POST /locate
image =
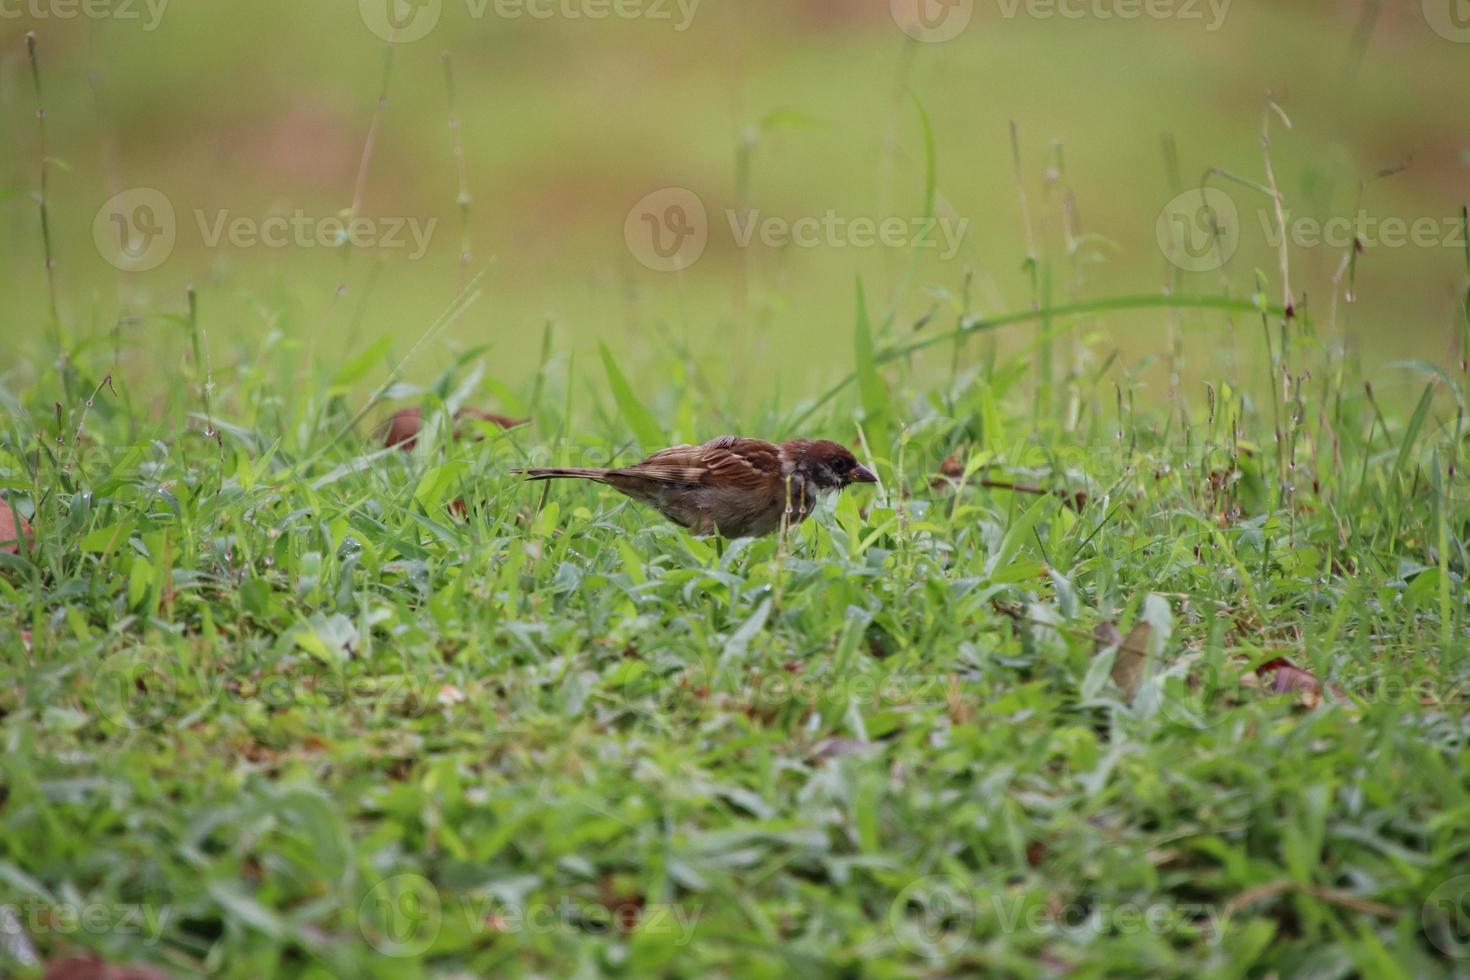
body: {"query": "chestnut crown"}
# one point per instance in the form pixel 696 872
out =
pixel 828 465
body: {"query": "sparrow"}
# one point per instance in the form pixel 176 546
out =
pixel 734 487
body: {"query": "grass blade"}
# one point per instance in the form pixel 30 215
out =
pixel 645 428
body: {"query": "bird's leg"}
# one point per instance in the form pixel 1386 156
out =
pixel 786 510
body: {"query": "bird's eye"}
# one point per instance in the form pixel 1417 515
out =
pixel 841 465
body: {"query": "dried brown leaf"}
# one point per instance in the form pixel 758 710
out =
pixel 10 520
pixel 93 968
pixel 402 428
pixel 1280 676
pixel 1132 656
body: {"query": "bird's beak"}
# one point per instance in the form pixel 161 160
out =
pixel 863 475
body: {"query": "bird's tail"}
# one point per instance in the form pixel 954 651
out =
pixel 561 473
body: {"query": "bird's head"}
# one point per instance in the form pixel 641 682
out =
pixel 826 465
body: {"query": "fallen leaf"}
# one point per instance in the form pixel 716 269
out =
pixel 1274 889
pixel 836 748
pixel 9 520
pixel 1132 656
pixel 1286 677
pixel 402 428
pixel 93 968
pixel 1105 635
pixel 626 906
pixel 474 414
pixel 1281 676
pixel 952 470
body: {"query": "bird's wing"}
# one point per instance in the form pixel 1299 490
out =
pixel 729 462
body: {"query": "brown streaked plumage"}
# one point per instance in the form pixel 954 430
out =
pixel 730 486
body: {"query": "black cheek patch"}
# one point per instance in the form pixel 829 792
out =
pixel 826 478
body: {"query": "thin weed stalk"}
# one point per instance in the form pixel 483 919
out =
pixel 462 200
pixel 358 191
pixel 43 200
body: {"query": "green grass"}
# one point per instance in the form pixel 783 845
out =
pixel 278 702
pixel 271 708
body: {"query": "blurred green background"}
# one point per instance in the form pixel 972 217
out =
pixel 798 108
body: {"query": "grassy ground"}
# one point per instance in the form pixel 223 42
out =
pixel 1149 655
pixel 274 704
